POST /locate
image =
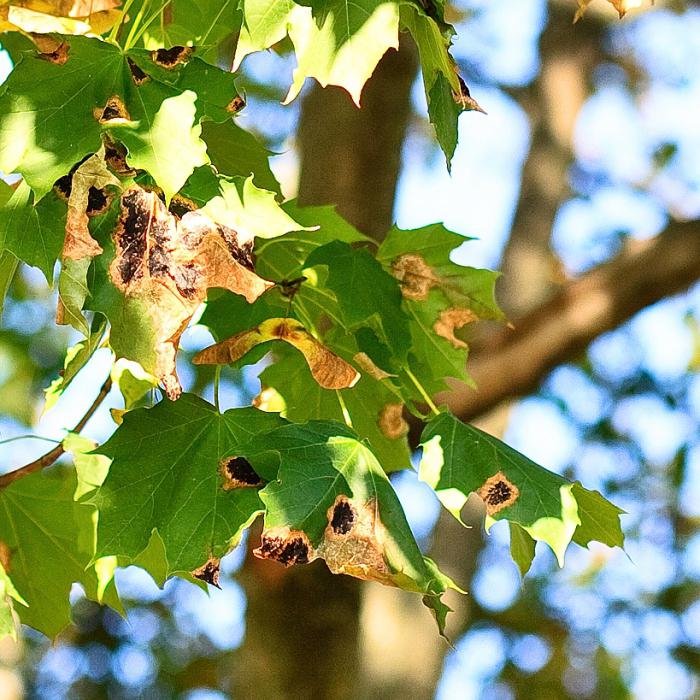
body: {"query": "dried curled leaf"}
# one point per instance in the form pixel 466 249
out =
pixel 164 266
pixel 329 370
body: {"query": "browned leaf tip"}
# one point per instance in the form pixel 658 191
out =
pixel 391 421
pixel 498 493
pixel 452 319
pixel 238 473
pixel 137 74
pixel 464 99
pixel 209 572
pixel 114 112
pixel 415 275
pixel 172 57
pixel 286 546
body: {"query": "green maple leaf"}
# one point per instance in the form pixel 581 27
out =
pixel 52 113
pixel 459 459
pixel 8 593
pixel 446 94
pixel 33 231
pixel 166 477
pixel 438 296
pixel 331 495
pixel 337 42
pixel 234 151
pixel 367 295
pixel 51 542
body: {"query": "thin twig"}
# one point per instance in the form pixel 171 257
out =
pixel 50 457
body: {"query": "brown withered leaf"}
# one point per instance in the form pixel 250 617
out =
pixel 452 319
pixel 367 364
pixel 329 370
pixel 87 185
pixel 164 266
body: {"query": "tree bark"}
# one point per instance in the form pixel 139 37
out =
pixel 303 623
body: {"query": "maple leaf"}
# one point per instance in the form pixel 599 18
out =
pixel 160 271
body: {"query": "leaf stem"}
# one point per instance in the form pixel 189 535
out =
pixel 217 381
pixel 28 437
pixel 422 391
pixel 50 457
pixel 118 25
pixel 344 409
pixel 135 26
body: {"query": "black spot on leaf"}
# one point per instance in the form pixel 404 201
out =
pixel 235 105
pixel 289 550
pixel 138 75
pixel 209 572
pixel 170 58
pixel 498 493
pixel 98 201
pixel 63 186
pixel 131 233
pixel 343 518
pixel 238 472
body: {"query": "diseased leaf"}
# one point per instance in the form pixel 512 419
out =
pixel 329 370
pixel 439 297
pixel 46 531
pixel 459 459
pixel 331 500
pixel 168 475
pixel 158 273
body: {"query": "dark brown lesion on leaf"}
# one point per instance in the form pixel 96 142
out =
pixel 235 105
pixel 114 111
pixel 58 56
pixel 138 75
pixel 209 572
pixel 115 157
pixel 131 234
pixel 98 201
pixel 170 58
pixel 464 99
pixel 288 547
pixel 64 186
pixel 238 473
pixel 179 206
pixel 498 493
pixel 343 517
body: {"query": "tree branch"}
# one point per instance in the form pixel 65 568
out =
pixel 50 457
pixel 512 363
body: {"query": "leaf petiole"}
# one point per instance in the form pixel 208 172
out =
pixel 422 391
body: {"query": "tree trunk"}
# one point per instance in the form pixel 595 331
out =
pixel 303 623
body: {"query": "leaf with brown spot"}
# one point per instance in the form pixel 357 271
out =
pixel 160 271
pixel 238 473
pixel 329 498
pixel 439 296
pixel 452 319
pixel 209 572
pixel 391 421
pixel 459 459
pixel 329 370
